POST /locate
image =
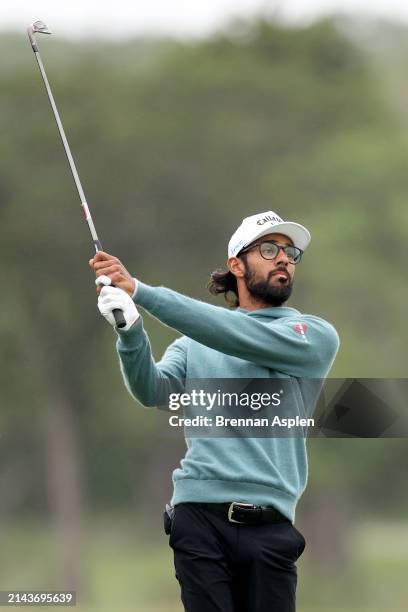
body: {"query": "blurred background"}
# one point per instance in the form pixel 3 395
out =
pixel 183 118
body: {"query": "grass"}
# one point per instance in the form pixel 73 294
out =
pixel 124 569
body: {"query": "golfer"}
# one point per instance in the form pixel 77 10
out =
pixel 231 517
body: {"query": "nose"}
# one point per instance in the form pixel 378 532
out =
pixel 281 258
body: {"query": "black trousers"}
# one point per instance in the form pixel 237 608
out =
pixel 229 567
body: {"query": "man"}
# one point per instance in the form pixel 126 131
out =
pixel 232 533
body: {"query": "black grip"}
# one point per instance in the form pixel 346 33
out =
pixel 119 318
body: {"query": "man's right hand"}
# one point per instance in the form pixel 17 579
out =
pixel 112 298
pixel 107 265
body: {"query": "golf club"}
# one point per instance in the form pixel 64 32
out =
pixel 39 27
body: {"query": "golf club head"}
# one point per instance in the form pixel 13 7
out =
pixel 37 27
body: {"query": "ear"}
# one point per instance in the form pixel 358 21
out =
pixel 236 266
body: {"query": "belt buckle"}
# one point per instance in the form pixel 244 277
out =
pixel 231 510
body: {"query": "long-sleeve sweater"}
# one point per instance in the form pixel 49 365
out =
pixel 272 342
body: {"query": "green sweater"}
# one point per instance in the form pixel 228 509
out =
pixel 221 343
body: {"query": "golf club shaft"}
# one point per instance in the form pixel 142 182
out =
pixel 88 217
pixel 118 314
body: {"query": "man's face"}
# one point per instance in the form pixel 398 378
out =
pixel 269 280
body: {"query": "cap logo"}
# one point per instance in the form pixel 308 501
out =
pixel 269 218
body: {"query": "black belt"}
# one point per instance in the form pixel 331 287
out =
pixel 246 514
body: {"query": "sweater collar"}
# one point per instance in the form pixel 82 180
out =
pixel 275 312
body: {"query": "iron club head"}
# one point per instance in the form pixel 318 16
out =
pixel 37 27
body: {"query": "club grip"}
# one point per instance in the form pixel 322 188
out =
pixel 119 318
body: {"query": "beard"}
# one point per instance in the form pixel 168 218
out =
pixel 265 291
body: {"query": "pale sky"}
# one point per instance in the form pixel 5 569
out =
pixel 174 17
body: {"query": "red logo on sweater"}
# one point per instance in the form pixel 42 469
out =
pixel 301 329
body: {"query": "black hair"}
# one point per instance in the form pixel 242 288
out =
pixel 224 281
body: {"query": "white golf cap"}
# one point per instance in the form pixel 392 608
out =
pixel 261 224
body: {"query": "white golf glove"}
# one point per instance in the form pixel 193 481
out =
pixel 113 297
